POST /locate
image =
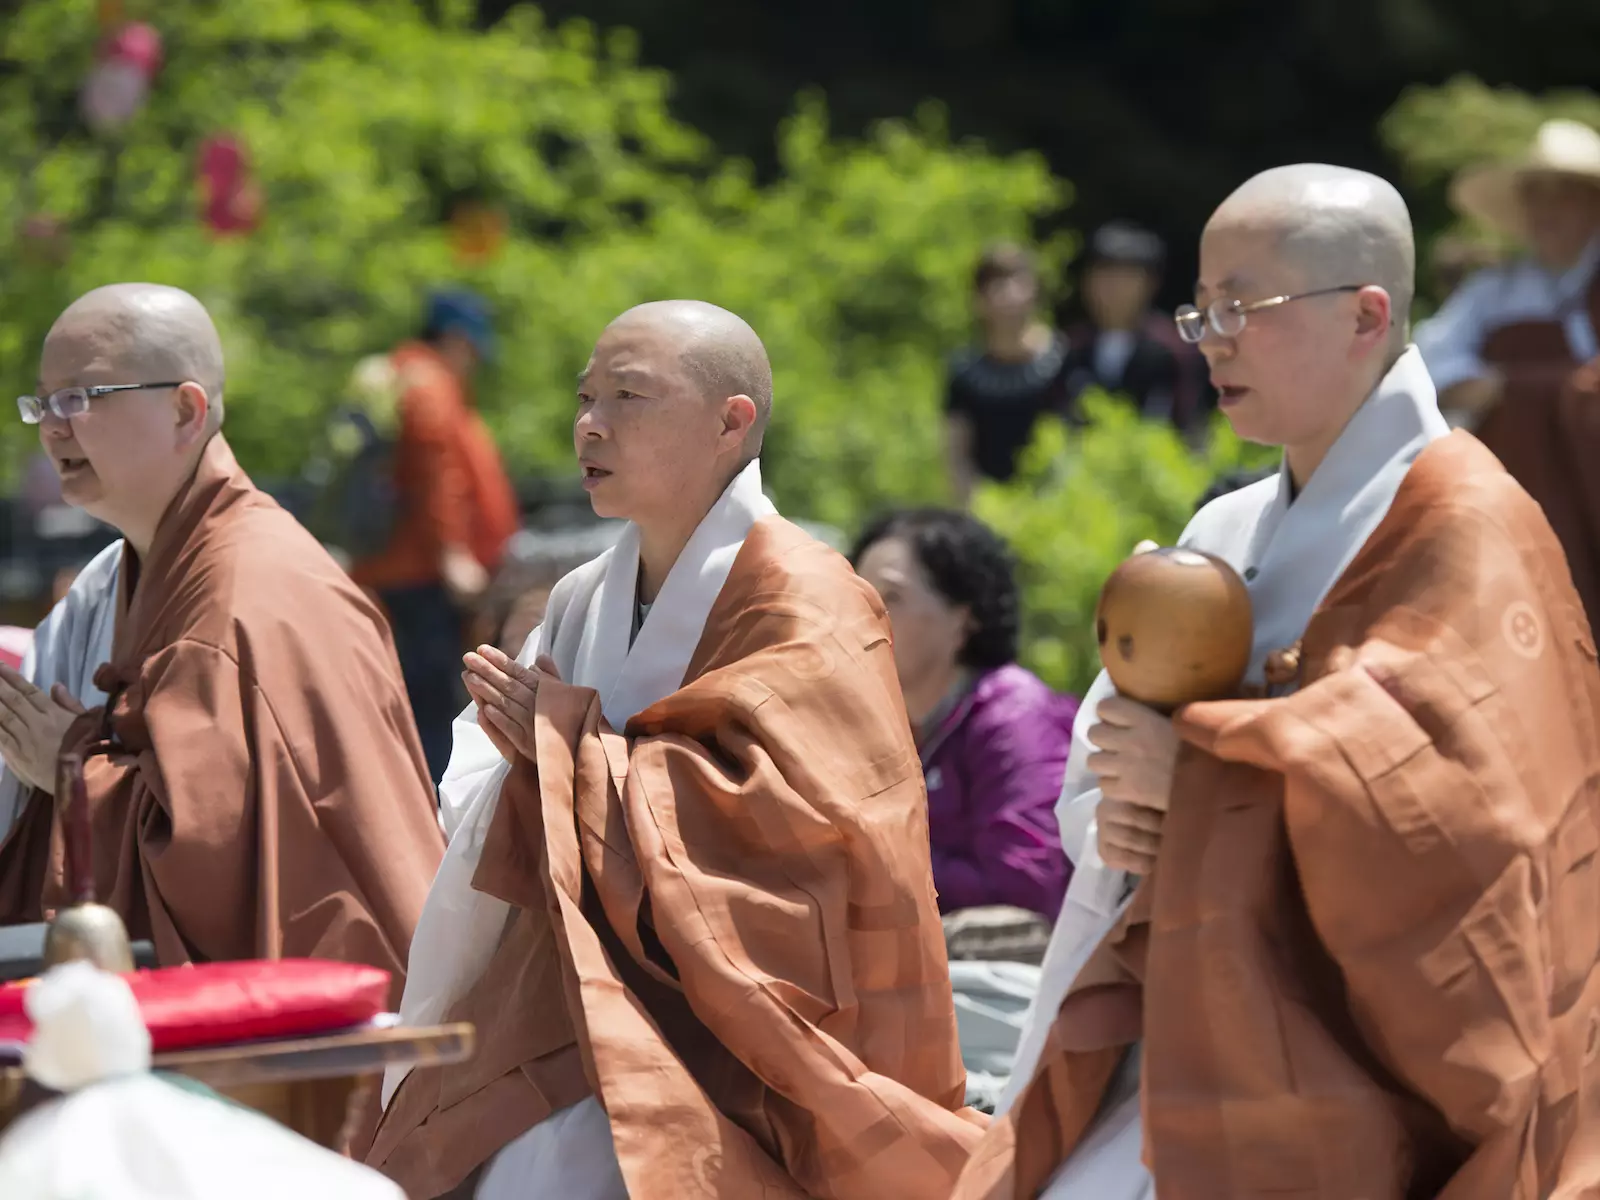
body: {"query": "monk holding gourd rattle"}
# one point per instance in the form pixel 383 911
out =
pixel 1333 928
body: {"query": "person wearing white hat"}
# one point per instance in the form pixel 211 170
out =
pixel 1508 350
pixel 1548 199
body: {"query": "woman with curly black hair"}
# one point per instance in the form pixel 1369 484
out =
pixel 992 736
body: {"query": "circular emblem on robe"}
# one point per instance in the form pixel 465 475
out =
pixel 705 1163
pixel 1523 631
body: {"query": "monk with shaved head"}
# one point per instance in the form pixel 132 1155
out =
pixel 1336 936
pixel 255 783
pixel 688 899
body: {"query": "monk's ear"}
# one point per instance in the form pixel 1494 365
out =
pixel 192 409
pixel 1374 316
pixel 738 417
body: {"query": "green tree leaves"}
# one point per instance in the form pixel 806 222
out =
pixel 367 123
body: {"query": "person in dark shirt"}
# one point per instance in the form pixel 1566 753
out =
pixel 998 390
pixel 1125 346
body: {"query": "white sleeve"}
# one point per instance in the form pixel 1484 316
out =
pixel 1080 791
pixel 1451 340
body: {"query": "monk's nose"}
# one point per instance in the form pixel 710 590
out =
pixel 1217 348
pixel 52 426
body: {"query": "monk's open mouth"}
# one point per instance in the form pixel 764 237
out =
pixel 593 475
pixel 1231 395
pixel 69 466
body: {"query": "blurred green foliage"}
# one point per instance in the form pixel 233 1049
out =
pixel 1435 131
pixel 1076 508
pixel 367 122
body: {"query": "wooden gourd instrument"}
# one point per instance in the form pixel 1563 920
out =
pixel 1175 626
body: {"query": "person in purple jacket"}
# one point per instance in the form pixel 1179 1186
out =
pixel 993 737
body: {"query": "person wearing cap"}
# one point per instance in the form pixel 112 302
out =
pixel 457 512
pixel 998 390
pixel 1123 345
pixel 1506 350
pixel 1549 200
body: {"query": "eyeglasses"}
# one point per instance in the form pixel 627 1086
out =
pixel 1227 317
pixel 71 402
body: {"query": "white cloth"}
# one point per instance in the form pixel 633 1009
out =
pixel 1106 1165
pixel 1452 339
pixel 68 648
pixel 142 1138
pixel 586 631
pixel 567 1156
pixel 992 998
pixel 1289 555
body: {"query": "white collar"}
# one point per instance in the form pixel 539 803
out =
pixel 1403 407
pixel 630 679
pixel 1298 551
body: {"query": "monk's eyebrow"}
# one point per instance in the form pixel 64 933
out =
pixel 634 378
pixel 1227 286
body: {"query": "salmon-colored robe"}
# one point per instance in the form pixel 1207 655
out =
pixel 723 924
pixel 1365 963
pixel 257 789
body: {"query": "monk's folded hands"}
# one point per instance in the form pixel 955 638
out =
pixel 1136 750
pixel 32 727
pixel 504 691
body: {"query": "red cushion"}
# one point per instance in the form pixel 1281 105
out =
pixel 213 1004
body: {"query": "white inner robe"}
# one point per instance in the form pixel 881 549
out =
pixel 586 630
pixel 68 648
pixel 1290 555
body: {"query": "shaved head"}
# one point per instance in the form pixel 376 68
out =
pixel 719 350
pixel 124 456
pixel 146 330
pixel 1335 226
pixel 672 407
pixel 1320 263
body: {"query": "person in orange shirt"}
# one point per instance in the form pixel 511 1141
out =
pixel 457 512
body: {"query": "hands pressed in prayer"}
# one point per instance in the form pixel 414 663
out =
pixel 1136 753
pixel 32 727
pixel 504 691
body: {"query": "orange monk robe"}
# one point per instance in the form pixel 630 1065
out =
pixel 1365 964
pixel 255 781
pixel 723 924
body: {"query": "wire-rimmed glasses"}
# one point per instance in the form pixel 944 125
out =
pixel 1227 317
pixel 70 402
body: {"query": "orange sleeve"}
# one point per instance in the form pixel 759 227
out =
pixel 431 421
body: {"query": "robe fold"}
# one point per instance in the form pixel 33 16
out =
pixel 717 927
pixel 1366 961
pixel 255 781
